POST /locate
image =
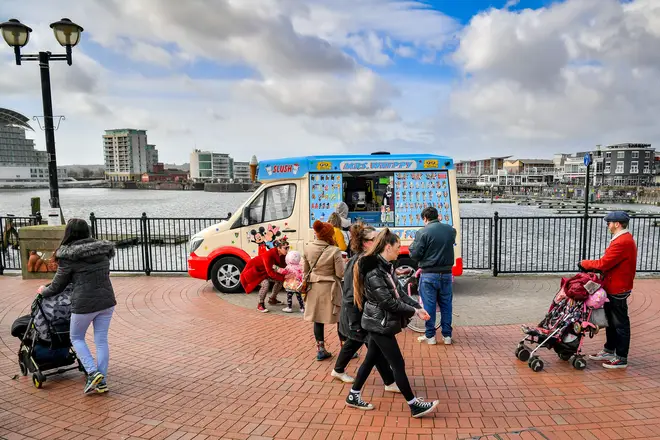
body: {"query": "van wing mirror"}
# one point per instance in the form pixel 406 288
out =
pixel 246 216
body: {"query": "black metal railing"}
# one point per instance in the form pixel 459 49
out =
pixel 554 244
pixel 477 242
pixel 146 244
pixel 10 254
pixel 498 244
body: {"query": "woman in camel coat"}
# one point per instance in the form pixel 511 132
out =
pixel 324 293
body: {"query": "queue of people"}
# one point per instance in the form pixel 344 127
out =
pixel 363 298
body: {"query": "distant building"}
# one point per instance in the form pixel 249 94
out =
pixel 152 157
pixel 626 164
pixel 160 174
pixel 476 168
pixel 207 166
pixel 241 171
pixel 127 154
pixel 19 160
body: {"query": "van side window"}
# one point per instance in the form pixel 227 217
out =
pixel 255 211
pixel 279 203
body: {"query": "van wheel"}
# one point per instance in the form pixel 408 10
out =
pixel 226 274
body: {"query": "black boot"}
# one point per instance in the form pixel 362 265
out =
pixel 322 353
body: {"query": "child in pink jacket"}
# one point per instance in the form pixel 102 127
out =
pixel 293 280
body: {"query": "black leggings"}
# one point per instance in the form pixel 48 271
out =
pixel 319 332
pixel 381 346
pixel 351 346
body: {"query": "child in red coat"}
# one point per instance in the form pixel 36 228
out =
pixel 259 272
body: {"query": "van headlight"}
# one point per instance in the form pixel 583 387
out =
pixel 195 242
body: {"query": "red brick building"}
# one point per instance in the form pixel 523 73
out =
pixel 160 174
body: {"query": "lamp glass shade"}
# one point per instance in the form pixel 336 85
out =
pixel 15 33
pixel 66 32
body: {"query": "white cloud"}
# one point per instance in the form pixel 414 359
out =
pixel 576 72
pixel 573 74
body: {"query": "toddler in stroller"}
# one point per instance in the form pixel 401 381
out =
pixel 44 334
pixel 576 311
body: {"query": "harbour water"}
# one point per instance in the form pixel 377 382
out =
pixel 104 202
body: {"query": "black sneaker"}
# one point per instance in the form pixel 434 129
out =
pixel 355 401
pixel 421 408
pixel 92 381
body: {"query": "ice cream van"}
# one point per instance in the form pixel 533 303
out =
pixel 380 189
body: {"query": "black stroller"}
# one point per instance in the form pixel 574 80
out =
pixel 46 347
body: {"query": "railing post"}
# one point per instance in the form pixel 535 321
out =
pixel 496 243
pixel 92 221
pixel 146 243
pixel 2 248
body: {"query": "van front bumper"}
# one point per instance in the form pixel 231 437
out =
pixel 198 267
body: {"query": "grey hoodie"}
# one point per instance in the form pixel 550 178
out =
pixel 85 264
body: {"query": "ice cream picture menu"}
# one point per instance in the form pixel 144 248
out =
pixel 325 194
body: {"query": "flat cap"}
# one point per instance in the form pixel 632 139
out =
pixel 617 216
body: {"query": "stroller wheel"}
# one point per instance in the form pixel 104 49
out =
pixel 523 354
pixel 21 365
pixel 536 364
pixel 38 380
pixel 579 363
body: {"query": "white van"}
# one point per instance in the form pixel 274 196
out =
pixel 380 189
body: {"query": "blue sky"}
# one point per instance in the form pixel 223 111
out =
pixel 271 77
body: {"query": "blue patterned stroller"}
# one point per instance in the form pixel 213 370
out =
pixel 45 348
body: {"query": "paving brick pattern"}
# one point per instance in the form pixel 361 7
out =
pixel 187 365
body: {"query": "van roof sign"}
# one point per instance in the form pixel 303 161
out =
pixel 297 167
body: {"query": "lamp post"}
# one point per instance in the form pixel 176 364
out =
pixel 585 222
pixel 67 33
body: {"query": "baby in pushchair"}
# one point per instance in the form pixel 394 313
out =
pixel 45 342
pixel 576 311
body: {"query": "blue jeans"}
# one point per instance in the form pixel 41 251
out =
pixel 435 288
pixel 79 325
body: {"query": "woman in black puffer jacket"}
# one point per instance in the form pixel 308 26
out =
pixel 385 312
pixel 85 262
pixel 350 318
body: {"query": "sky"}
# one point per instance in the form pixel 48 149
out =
pixel 278 78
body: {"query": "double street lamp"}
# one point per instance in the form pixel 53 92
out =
pixel 67 33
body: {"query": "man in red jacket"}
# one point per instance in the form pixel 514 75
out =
pixel 618 265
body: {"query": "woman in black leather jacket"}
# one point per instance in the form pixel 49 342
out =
pixel 385 312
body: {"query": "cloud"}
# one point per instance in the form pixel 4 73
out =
pixel 285 77
pixel 574 73
pixel 363 94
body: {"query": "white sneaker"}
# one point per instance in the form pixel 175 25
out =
pixel 342 376
pixel 302 310
pixel 447 340
pixel 287 310
pixel 392 388
pixel 430 341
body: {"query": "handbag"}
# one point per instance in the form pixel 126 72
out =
pixel 599 318
pixel 305 284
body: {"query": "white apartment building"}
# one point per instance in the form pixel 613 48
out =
pixel 241 171
pixel 127 154
pixel 206 166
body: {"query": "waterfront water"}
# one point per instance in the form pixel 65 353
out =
pixel 80 202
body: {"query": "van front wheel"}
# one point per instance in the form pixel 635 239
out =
pixel 226 274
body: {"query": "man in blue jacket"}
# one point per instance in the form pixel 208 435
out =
pixel 433 249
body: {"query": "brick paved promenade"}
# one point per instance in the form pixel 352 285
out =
pixel 186 364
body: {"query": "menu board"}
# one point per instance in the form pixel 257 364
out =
pixel 416 191
pixel 325 193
